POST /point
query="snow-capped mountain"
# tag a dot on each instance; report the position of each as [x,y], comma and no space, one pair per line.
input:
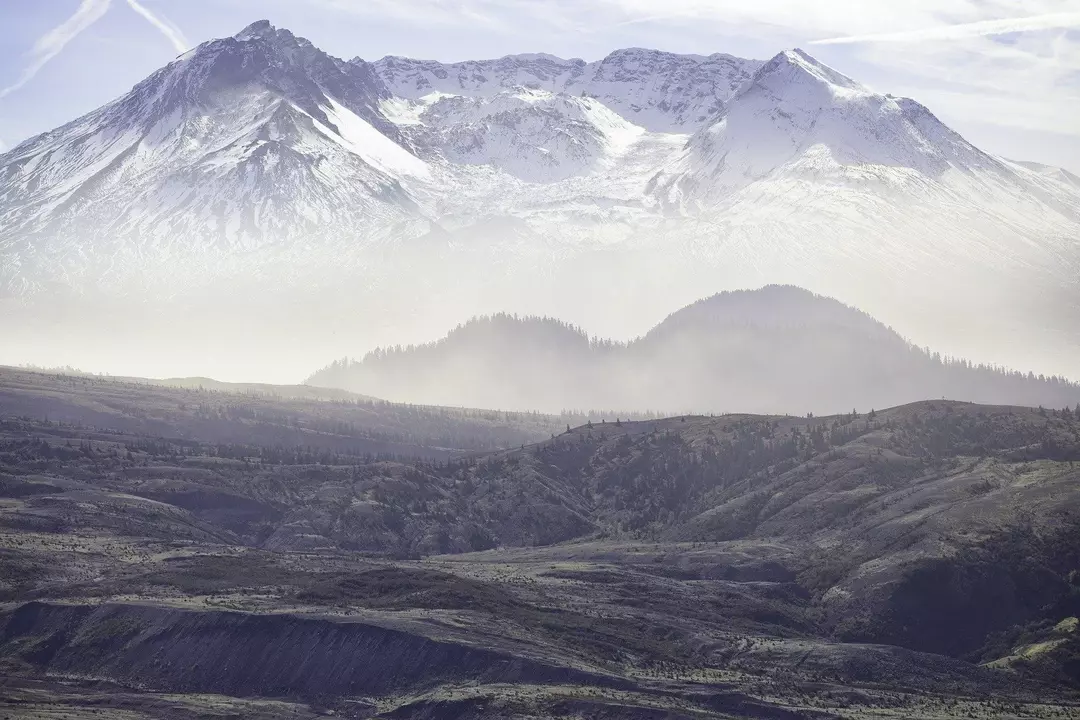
[798,117]
[242,142]
[259,161]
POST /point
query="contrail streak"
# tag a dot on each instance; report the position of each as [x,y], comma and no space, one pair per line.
[169,31]
[52,43]
[957,32]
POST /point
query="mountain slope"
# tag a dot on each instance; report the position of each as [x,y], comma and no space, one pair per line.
[238,144]
[1055,173]
[759,351]
[836,549]
[823,567]
[533,135]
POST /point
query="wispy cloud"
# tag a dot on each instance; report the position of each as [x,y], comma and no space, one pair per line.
[53,42]
[481,13]
[89,12]
[984,28]
[170,31]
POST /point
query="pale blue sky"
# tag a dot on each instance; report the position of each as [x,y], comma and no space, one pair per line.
[1015,94]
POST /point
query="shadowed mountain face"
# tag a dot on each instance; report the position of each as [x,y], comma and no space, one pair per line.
[769,350]
[321,422]
[921,558]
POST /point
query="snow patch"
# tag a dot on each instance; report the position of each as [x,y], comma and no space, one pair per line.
[360,137]
[401,111]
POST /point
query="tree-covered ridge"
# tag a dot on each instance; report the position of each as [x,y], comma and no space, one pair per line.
[777,349]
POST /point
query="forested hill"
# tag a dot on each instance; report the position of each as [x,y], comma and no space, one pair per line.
[777,349]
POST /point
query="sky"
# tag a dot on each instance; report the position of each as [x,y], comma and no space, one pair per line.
[1004,73]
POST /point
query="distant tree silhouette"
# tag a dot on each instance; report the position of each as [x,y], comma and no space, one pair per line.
[780,349]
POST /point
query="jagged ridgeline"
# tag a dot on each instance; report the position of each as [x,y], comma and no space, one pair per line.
[778,349]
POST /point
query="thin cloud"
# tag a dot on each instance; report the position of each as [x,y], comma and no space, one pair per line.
[53,42]
[171,32]
[476,13]
[968,30]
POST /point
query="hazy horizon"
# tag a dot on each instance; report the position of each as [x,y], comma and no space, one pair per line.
[232,367]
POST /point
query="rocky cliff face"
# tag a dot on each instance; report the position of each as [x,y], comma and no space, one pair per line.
[659,91]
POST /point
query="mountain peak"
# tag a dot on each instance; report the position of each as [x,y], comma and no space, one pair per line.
[257,29]
[799,63]
[799,114]
[640,52]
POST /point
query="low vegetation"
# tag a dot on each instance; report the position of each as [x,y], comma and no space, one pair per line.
[920,561]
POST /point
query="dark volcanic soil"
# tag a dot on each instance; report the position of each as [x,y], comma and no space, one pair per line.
[922,561]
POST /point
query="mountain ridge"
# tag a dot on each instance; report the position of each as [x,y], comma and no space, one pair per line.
[776,349]
[691,85]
